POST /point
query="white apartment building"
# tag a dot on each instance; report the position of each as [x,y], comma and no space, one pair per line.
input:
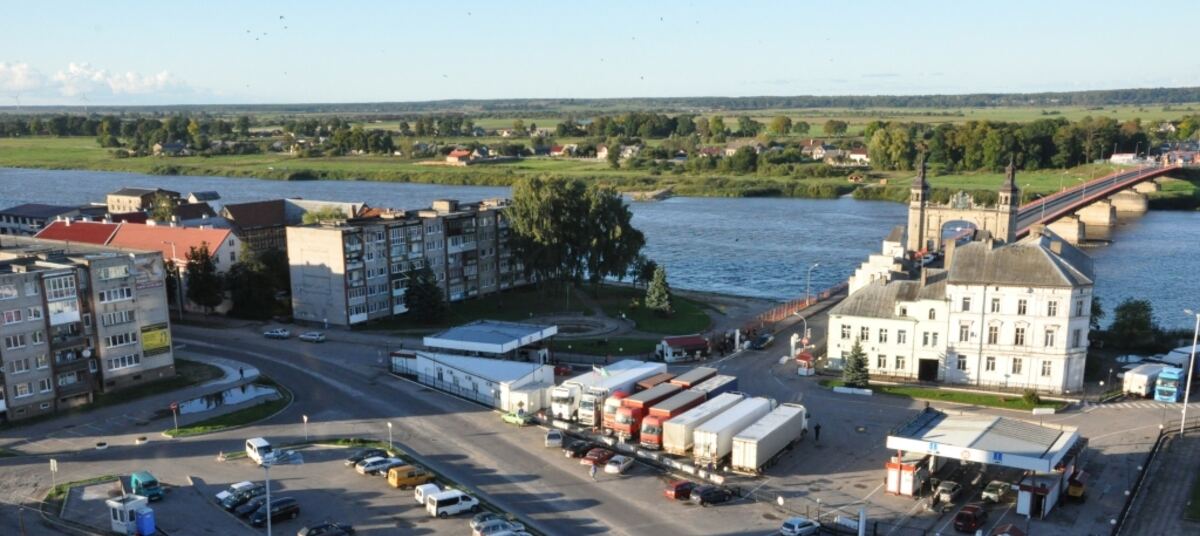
[1008,317]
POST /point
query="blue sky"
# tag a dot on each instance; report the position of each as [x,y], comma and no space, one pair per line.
[244,52]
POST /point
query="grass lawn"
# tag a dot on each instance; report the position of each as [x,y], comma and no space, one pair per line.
[615,346]
[58,492]
[689,316]
[238,418]
[512,305]
[957,397]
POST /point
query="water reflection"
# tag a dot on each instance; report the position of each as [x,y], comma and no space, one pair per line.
[235,395]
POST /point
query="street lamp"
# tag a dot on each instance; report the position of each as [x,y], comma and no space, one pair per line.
[291,458]
[390,445]
[305,428]
[1191,368]
[808,284]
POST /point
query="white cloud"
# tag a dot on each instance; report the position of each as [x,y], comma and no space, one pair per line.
[18,76]
[83,78]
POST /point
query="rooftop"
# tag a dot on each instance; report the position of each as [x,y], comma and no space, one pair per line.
[88,232]
[37,211]
[138,192]
[879,298]
[1041,260]
[496,370]
[257,214]
[173,242]
[490,336]
[986,439]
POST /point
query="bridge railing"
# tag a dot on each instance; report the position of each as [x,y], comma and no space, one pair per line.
[1140,171]
[1138,174]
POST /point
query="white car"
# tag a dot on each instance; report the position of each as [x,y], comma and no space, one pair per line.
[277,333]
[246,484]
[312,336]
[554,438]
[996,491]
[618,464]
[948,490]
[370,465]
[799,526]
[497,526]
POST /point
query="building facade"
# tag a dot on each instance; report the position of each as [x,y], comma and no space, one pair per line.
[28,219]
[346,272]
[136,199]
[78,319]
[1009,317]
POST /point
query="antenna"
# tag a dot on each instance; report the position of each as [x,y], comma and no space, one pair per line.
[83,97]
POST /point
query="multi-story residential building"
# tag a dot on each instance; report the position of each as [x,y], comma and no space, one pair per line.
[262,225]
[28,219]
[136,199]
[346,272]
[78,319]
[1015,316]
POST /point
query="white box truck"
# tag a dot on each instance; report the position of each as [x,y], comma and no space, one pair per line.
[713,440]
[1141,379]
[564,399]
[591,403]
[678,432]
[762,442]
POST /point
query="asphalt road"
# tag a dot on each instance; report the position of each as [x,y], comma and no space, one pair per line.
[1031,215]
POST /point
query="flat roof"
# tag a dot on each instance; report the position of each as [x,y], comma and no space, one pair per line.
[490,336]
[985,439]
[496,370]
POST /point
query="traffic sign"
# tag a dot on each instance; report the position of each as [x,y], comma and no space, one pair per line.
[53,465]
[174,406]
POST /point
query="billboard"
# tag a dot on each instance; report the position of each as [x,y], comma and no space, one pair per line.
[156,339]
[148,271]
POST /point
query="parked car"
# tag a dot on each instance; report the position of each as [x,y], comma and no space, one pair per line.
[312,336]
[251,506]
[277,333]
[408,476]
[143,483]
[996,491]
[762,341]
[450,503]
[563,370]
[392,463]
[364,454]
[618,465]
[597,456]
[496,526]
[578,448]
[554,438]
[326,529]
[518,418]
[948,490]
[513,533]
[484,517]
[706,495]
[373,466]
[679,490]
[242,496]
[799,526]
[233,489]
[283,507]
[970,519]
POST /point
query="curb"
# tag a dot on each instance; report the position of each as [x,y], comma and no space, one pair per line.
[291,400]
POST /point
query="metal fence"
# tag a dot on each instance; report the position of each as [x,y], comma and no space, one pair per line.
[785,310]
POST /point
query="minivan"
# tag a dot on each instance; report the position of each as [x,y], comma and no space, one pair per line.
[407,476]
[280,508]
[425,490]
[259,450]
[450,503]
[143,483]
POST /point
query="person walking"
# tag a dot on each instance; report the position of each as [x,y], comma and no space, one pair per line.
[592,471]
[817,433]
[242,371]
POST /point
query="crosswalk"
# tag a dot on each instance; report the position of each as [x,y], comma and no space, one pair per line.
[1140,404]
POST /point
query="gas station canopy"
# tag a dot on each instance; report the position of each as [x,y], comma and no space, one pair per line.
[986,439]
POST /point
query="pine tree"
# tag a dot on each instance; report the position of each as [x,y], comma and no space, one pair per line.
[854,373]
[658,293]
[424,298]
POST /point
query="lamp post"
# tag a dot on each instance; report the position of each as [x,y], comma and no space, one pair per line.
[178,279]
[305,428]
[390,445]
[1191,368]
[267,472]
[808,283]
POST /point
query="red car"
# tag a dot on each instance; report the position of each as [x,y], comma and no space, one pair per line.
[970,519]
[597,456]
[679,490]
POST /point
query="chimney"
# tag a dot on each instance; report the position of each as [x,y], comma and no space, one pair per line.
[68,222]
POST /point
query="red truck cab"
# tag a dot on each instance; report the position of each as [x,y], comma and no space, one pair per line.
[628,420]
[611,404]
[652,424]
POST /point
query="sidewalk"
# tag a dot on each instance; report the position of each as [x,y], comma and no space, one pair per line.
[1166,491]
[80,431]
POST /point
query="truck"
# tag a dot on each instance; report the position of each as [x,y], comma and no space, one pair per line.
[1168,387]
[678,433]
[627,423]
[713,440]
[653,380]
[1141,379]
[565,399]
[652,426]
[760,444]
[682,348]
[693,377]
[717,385]
[592,401]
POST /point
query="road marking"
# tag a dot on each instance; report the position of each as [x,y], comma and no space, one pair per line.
[999,519]
[873,492]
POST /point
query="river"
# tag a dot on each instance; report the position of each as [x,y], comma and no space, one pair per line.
[758,247]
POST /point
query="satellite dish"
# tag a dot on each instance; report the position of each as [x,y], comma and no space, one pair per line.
[87,352]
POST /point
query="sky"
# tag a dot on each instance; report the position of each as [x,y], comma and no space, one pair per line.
[216,51]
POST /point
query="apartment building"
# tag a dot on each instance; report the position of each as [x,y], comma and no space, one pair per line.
[346,272]
[136,199]
[78,319]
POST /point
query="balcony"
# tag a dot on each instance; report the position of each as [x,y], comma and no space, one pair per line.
[69,340]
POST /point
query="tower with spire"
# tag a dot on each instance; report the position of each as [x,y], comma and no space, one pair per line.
[1009,202]
[917,199]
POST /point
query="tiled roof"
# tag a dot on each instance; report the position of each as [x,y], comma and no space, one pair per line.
[878,299]
[1030,262]
[257,214]
[87,232]
[194,211]
[459,153]
[161,238]
[37,210]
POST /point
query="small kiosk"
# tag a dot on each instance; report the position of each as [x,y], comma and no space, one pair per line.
[128,514]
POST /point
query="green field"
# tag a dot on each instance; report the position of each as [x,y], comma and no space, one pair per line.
[1014,402]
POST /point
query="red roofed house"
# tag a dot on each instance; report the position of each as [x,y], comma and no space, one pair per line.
[459,156]
[84,232]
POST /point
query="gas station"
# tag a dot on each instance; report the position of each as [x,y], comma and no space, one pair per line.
[1047,455]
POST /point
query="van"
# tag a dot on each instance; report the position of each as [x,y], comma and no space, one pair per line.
[143,483]
[450,503]
[425,490]
[407,476]
[259,450]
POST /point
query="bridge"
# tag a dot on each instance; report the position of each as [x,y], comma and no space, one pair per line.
[1095,202]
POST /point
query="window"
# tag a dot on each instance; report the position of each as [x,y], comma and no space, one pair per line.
[24,390]
[18,366]
[845,332]
[993,334]
[901,336]
[114,272]
[1049,340]
[1078,307]
[904,311]
[13,316]
[125,361]
[68,378]
[31,288]
[1052,308]
[932,314]
[1019,337]
[883,335]
[966,304]
[59,288]
[1075,337]
[1046,367]
[1016,365]
[119,317]
[925,338]
[989,364]
[964,333]
[995,305]
[864,333]
[116,294]
[881,362]
[35,313]
[13,342]
[899,362]
[121,339]
[935,338]
[42,361]
[8,292]
[38,337]
[232,256]
[44,385]
[962,362]
[1021,306]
